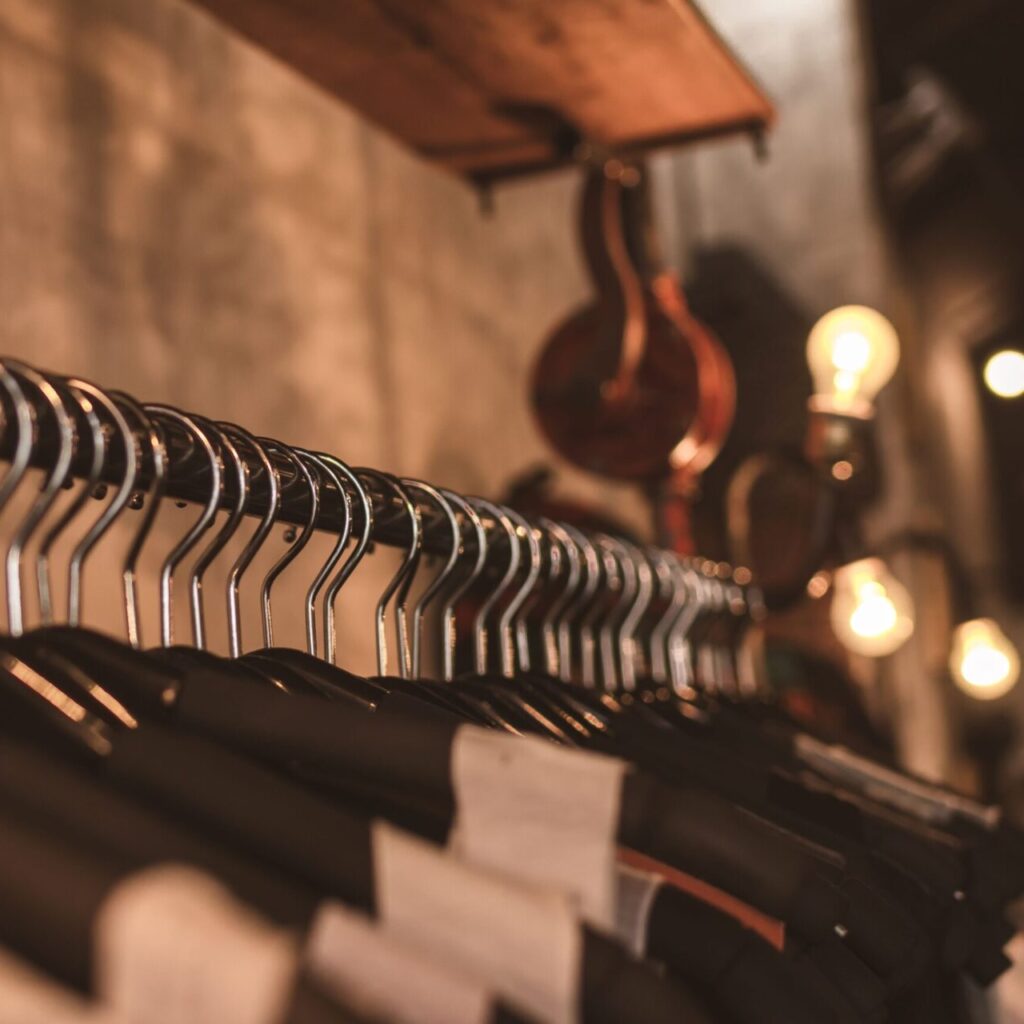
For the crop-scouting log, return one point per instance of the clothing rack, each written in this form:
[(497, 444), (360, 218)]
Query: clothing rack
[(47, 425), (188, 479), (690, 818)]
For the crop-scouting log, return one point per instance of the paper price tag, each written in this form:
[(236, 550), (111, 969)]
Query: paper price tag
[(540, 813), (522, 943)]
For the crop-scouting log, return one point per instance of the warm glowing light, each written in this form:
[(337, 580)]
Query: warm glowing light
[(984, 662), (1004, 373), (871, 611), (875, 614), (842, 470), (852, 352)]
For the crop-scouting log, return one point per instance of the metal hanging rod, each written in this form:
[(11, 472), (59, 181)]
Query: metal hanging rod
[(188, 479)]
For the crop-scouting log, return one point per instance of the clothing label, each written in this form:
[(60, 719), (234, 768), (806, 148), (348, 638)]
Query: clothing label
[(920, 799), (174, 947), (634, 894), (29, 997), (521, 942), (540, 813), (374, 972)]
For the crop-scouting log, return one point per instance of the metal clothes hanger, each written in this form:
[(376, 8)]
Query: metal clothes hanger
[(53, 481), (563, 716), (508, 617), (627, 644), (624, 568), (351, 563), (448, 623), (20, 418), (301, 540), (38, 663), (156, 449), (612, 584), (259, 535), (168, 414), (438, 583), (673, 589), (442, 696), (344, 533), (288, 668), (517, 712), (569, 621), (97, 441), (400, 583), (680, 656), (118, 500), (481, 636), (557, 660), (225, 464), (234, 469)]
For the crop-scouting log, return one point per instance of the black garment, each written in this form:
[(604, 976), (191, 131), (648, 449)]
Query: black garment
[(755, 983), (694, 830)]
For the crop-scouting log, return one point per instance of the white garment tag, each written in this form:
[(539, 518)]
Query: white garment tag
[(541, 813), (521, 942), (174, 947), (635, 892), (374, 972), (29, 997)]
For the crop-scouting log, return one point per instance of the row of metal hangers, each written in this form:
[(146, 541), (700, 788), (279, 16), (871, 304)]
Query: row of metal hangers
[(584, 607)]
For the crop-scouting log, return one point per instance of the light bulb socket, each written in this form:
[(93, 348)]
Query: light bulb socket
[(842, 450), (854, 409)]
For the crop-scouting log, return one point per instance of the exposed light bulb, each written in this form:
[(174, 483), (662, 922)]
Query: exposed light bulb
[(984, 663), (852, 352), (871, 611), (1004, 373)]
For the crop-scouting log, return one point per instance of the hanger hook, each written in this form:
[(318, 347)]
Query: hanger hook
[(680, 656), (439, 581), (117, 503), (611, 660), (259, 535), (344, 532), (673, 587), (512, 609), (610, 576), (232, 467), (157, 449), (558, 661), (296, 546), (400, 582), (575, 614), (627, 645), (448, 624), (480, 635), (169, 414), (24, 439), (98, 445), (48, 494), (350, 563)]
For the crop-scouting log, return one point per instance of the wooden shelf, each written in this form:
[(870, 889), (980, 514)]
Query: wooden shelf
[(494, 88)]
